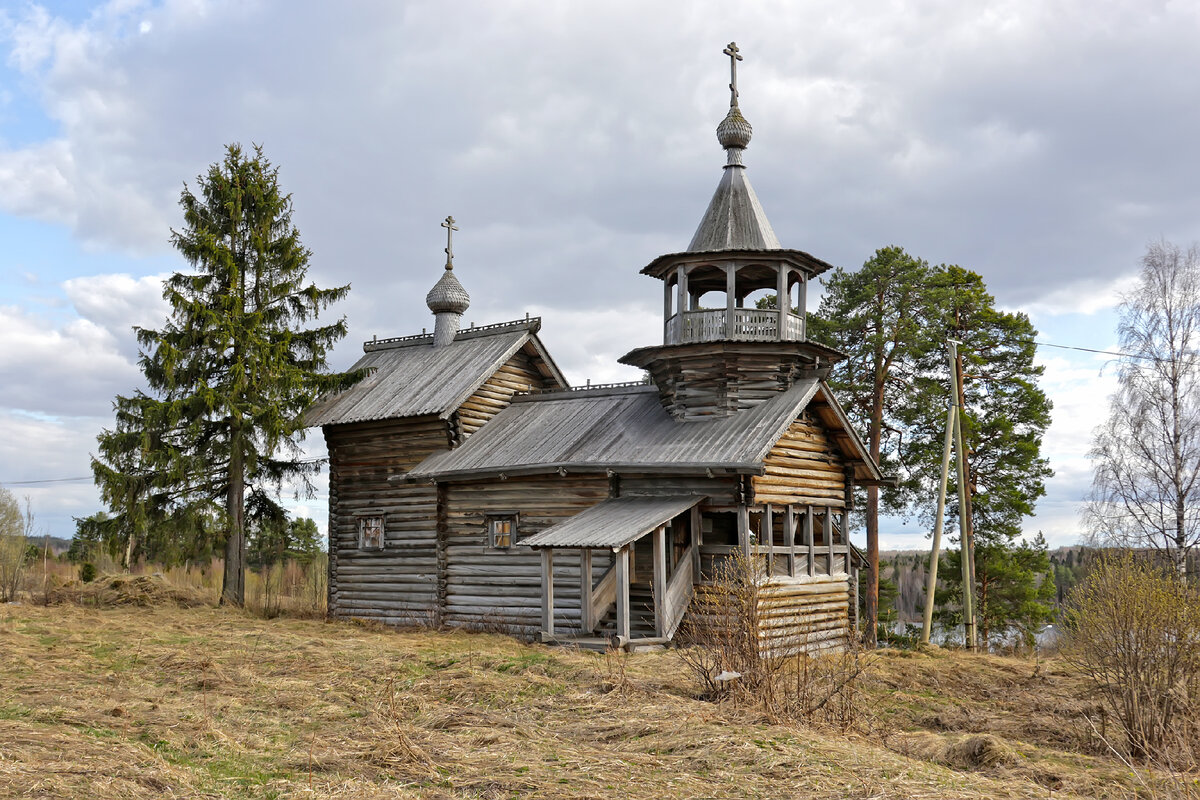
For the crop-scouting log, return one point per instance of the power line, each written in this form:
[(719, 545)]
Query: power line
[(45, 480), (1101, 352)]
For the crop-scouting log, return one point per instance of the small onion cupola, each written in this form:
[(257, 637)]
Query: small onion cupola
[(448, 300), (721, 352)]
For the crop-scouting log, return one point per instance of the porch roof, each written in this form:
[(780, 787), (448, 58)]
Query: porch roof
[(614, 522)]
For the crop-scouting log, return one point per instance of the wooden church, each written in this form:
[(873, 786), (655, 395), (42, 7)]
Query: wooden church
[(470, 485)]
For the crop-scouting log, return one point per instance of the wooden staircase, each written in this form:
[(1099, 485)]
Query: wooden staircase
[(641, 614)]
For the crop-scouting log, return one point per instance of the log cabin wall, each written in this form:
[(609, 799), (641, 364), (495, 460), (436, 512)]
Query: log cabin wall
[(808, 615), (396, 584), (803, 468), (721, 490), (697, 382), (501, 589), (518, 374)]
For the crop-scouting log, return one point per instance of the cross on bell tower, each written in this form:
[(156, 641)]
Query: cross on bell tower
[(448, 300), (734, 57)]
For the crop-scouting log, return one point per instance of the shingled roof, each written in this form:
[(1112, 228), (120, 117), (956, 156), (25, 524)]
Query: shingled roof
[(410, 377), (616, 429)]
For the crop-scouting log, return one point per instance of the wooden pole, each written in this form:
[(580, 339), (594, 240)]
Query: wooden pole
[(548, 591), (730, 301), (622, 568), (660, 580), (587, 614), (809, 535), (938, 522), (968, 573), (789, 534)]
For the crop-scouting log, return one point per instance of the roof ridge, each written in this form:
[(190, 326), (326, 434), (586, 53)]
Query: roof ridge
[(531, 324)]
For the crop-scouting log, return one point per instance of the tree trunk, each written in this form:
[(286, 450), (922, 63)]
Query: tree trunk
[(233, 590)]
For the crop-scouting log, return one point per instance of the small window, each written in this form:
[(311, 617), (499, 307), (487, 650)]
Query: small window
[(502, 531), (370, 533)]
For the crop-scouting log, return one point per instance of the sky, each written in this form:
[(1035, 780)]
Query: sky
[(1043, 145)]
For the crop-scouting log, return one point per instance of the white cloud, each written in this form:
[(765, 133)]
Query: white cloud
[(74, 369)]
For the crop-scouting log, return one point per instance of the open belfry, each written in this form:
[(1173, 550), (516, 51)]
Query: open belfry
[(471, 486)]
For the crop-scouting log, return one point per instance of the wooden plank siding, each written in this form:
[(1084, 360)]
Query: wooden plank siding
[(518, 374), (501, 589), (398, 584), (804, 467)]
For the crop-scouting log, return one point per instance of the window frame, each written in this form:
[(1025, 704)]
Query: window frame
[(492, 521), (361, 521)]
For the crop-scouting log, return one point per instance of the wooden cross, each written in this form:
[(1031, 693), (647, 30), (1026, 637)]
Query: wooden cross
[(734, 57), (450, 229)]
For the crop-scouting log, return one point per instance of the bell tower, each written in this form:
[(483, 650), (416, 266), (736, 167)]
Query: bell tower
[(718, 358)]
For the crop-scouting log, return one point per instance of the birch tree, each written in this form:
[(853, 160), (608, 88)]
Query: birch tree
[(1146, 457)]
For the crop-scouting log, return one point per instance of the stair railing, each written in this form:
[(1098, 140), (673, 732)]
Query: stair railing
[(678, 595)]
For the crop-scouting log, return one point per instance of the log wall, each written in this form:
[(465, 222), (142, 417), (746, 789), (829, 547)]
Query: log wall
[(501, 589), (804, 615), (398, 584), (519, 374), (803, 468)]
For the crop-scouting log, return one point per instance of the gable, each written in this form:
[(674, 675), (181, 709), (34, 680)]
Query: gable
[(520, 373), (409, 377)]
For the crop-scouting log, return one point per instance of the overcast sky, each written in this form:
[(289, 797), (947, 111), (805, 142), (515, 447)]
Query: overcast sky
[(1040, 144)]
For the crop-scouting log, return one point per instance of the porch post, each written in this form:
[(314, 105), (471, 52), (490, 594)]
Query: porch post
[(622, 567), (766, 533), (808, 541), (548, 591), (828, 527), (587, 615), (697, 540), (744, 531), (660, 580), (789, 535)]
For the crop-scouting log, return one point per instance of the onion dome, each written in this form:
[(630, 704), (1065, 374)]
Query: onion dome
[(734, 131), (448, 295)]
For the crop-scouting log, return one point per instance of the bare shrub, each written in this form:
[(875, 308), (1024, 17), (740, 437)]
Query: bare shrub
[(722, 647), (1134, 630), (12, 546)]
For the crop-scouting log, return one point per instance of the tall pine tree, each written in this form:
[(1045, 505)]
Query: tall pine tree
[(877, 317), (231, 372)]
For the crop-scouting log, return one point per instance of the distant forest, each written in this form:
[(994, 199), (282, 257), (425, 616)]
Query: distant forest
[(903, 572)]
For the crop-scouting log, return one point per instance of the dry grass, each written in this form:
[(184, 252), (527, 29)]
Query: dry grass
[(159, 700)]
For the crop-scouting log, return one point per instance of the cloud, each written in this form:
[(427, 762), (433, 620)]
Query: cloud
[(72, 370), (117, 303)]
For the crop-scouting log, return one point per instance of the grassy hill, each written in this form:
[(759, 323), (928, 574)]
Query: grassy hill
[(160, 700)]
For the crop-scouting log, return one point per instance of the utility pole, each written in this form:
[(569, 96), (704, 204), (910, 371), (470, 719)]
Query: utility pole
[(967, 556), (938, 519)]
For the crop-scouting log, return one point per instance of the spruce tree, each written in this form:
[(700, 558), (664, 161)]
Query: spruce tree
[(231, 372)]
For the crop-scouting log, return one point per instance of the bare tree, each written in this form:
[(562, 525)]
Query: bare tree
[(1146, 457)]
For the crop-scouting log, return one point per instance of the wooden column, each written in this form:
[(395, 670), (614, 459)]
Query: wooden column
[(681, 299), (808, 540), (667, 290), (744, 531), (660, 580), (587, 614), (782, 301), (802, 305), (730, 300), (828, 527), (766, 533), (697, 540), (622, 567), (789, 535), (548, 591)]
